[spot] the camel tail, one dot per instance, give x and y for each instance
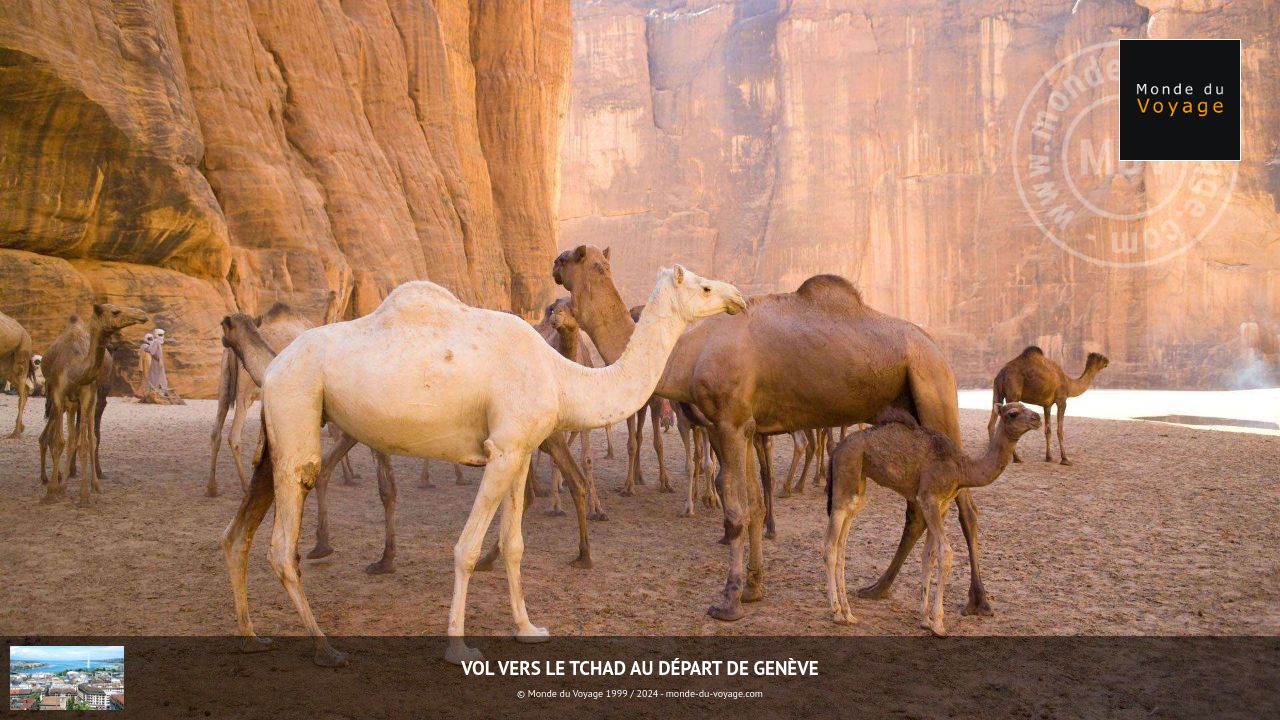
(831, 480)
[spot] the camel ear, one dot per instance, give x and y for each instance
(98, 310)
(679, 274)
(606, 253)
(579, 253)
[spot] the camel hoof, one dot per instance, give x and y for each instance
(382, 567)
(724, 540)
(598, 517)
(84, 503)
(541, 492)
(728, 613)
(938, 630)
(556, 512)
(50, 499)
(843, 617)
(688, 513)
(462, 482)
(320, 551)
(255, 644)
(211, 492)
(626, 492)
(783, 495)
(666, 489)
(752, 594)
(770, 534)
(533, 634)
(873, 592)
(582, 562)
(428, 486)
(331, 658)
(13, 436)
(1017, 459)
(1067, 462)
(981, 609)
(458, 654)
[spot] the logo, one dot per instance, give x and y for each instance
(1078, 191)
(1180, 100)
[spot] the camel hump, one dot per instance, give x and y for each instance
(892, 415)
(418, 296)
(1031, 350)
(830, 287)
(276, 310)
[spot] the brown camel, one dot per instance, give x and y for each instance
(560, 328)
(278, 326)
(925, 468)
(15, 365)
(240, 335)
(73, 368)
(424, 480)
(1034, 379)
(760, 372)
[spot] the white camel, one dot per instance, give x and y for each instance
(455, 383)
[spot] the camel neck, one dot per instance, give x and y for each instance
(97, 351)
(568, 344)
(985, 470)
(1077, 385)
(605, 318)
(254, 353)
(598, 397)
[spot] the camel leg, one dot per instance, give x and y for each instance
(911, 529)
(18, 377)
(968, 511)
(99, 409)
(458, 478)
(235, 548)
(73, 440)
(424, 479)
(387, 492)
(556, 510)
(512, 541)
(810, 449)
(336, 455)
(1062, 413)
(348, 473)
(243, 401)
(227, 393)
(501, 477)
(937, 563)
(635, 431)
(926, 581)
(848, 496)
(655, 422)
(608, 442)
(764, 455)
(709, 465)
(1048, 438)
(588, 467)
(796, 443)
(733, 444)
(291, 491)
(690, 469)
(84, 439)
(54, 427)
(46, 437)
(557, 447)
(820, 455)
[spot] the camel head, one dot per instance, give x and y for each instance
(1096, 360)
(579, 268)
(235, 327)
(697, 297)
(1017, 419)
(560, 315)
(115, 317)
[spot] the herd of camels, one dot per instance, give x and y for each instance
(448, 390)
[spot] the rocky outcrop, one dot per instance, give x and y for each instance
(765, 141)
(192, 157)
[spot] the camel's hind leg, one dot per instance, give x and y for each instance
(424, 478)
(18, 376)
(501, 478)
(386, 491)
(912, 527)
(764, 456)
(1062, 414)
(337, 454)
(226, 396)
(53, 428)
(1048, 439)
(244, 398)
(690, 469)
(937, 566)
(235, 547)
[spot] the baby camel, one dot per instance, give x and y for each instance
(448, 389)
(927, 469)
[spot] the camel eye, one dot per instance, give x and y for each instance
(706, 289)
(115, 312)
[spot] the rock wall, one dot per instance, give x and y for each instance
(193, 157)
(763, 141)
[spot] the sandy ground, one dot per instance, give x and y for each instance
(1157, 529)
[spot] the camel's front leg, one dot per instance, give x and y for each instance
(424, 478)
(634, 430)
(84, 440)
(690, 469)
(386, 491)
(655, 422)
(512, 540)
(968, 511)
(847, 500)
(733, 444)
(562, 456)
(1048, 439)
(19, 380)
(1062, 414)
(291, 489)
(937, 564)
(215, 436)
(501, 475)
(338, 453)
(764, 455)
(53, 428)
(810, 448)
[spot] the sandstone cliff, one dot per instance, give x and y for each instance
(764, 141)
(192, 157)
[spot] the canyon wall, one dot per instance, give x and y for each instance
(764, 141)
(195, 157)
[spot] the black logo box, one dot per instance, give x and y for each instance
(1185, 65)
